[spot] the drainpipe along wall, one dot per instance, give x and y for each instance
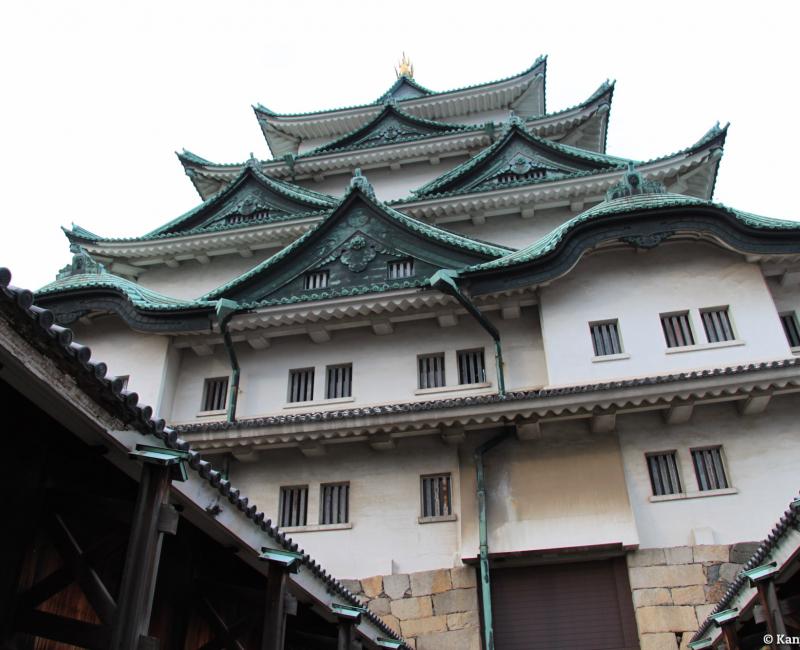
(225, 310)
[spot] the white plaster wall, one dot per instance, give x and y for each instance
(193, 279)
(140, 356)
(760, 453)
(384, 504)
(384, 367)
(635, 287)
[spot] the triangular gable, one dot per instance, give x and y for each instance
(517, 157)
(404, 88)
(390, 126)
(252, 198)
(354, 248)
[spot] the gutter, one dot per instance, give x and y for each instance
(225, 310)
(444, 281)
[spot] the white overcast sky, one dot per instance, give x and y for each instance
(97, 96)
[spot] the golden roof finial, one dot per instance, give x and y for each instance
(405, 68)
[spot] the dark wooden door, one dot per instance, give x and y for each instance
(577, 606)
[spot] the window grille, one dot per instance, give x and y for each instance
(709, 469)
(717, 324)
(294, 506)
(436, 496)
(301, 385)
(339, 381)
(431, 370)
(791, 328)
(401, 269)
(663, 469)
(335, 503)
(471, 369)
(605, 338)
(215, 394)
(316, 280)
(677, 329)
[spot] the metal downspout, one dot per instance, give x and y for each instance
(483, 536)
(444, 280)
(225, 310)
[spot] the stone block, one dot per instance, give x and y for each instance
(685, 641)
(426, 583)
(463, 619)
(408, 608)
(742, 552)
(428, 625)
(464, 577)
(702, 612)
(457, 600)
(694, 595)
(651, 597)
(679, 555)
(372, 587)
(666, 619)
(647, 557)
(729, 571)
(395, 586)
(380, 606)
(712, 573)
(674, 575)
(411, 643)
(392, 622)
(661, 641)
(715, 592)
(466, 639)
(711, 553)
(352, 585)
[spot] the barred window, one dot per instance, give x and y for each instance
(339, 381)
(301, 385)
(791, 329)
(717, 324)
(605, 338)
(709, 469)
(471, 369)
(400, 269)
(663, 468)
(677, 329)
(294, 506)
(436, 496)
(334, 503)
(431, 370)
(215, 394)
(316, 280)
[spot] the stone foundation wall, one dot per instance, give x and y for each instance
(432, 610)
(675, 589)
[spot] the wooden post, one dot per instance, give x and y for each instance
(729, 634)
(768, 599)
(141, 562)
(345, 635)
(275, 614)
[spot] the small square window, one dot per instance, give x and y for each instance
(709, 469)
(717, 324)
(605, 338)
(677, 329)
(334, 503)
(293, 506)
(400, 269)
(663, 468)
(316, 280)
(471, 369)
(430, 369)
(301, 385)
(436, 496)
(339, 381)
(215, 394)
(791, 328)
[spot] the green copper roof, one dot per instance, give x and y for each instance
(406, 84)
(188, 156)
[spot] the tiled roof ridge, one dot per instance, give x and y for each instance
(540, 61)
(399, 82)
(789, 519)
(75, 359)
(494, 398)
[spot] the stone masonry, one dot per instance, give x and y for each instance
(432, 610)
(674, 589)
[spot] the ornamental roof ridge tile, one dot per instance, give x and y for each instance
(790, 519)
(540, 61)
(38, 326)
(493, 398)
(625, 205)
